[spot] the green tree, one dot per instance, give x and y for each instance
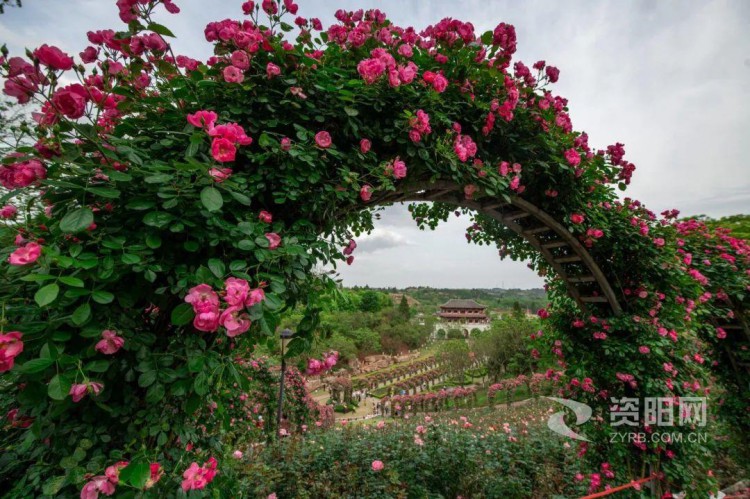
(455, 355)
(370, 301)
(403, 308)
(504, 348)
(739, 224)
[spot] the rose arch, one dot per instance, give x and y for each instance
(164, 211)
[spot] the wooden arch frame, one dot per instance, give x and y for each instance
(584, 279)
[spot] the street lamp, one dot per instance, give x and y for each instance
(286, 336)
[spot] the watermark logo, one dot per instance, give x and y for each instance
(556, 422)
(657, 413)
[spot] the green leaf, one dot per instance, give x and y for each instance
(77, 220)
(58, 387)
(102, 297)
(246, 245)
(241, 198)
(211, 199)
(155, 393)
(46, 294)
(130, 258)
(157, 218)
(182, 314)
(52, 486)
(158, 28)
(72, 281)
(153, 241)
(36, 365)
(136, 473)
(147, 379)
(98, 366)
(81, 314)
(217, 267)
(201, 384)
(350, 111)
(105, 192)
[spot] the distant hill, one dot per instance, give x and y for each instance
(497, 298)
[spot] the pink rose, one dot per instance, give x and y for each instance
(233, 74)
(237, 454)
(207, 321)
(88, 55)
(113, 472)
(265, 217)
(203, 298)
(71, 100)
(220, 174)
(79, 390)
(397, 168)
(552, 73)
(323, 139)
(572, 156)
(274, 240)
(8, 211)
(272, 70)
(365, 193)
(98, 484)
(11, 346)
(223, 150)
(286, 144)
(240, 59)
(110, 342)
(234, 321)
(370, 69)
(25, 254)
(577, 218)
(53, 57)
(21, 174)
(377, 465)
(254, 297)
(364, 145)
(236, 291)
(203, 119)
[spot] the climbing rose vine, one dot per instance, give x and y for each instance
(164, 210)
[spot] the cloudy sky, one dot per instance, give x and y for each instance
(669, 79)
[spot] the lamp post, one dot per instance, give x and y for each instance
(286, 336)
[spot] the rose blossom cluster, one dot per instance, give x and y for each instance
(237, 296)
(315, 366)
(11, 346)
(197, 477)
(226, 137)
(381, 62)
(420, 126)
(397, 168)
(22, 174)
(349, 250)
(105, 484)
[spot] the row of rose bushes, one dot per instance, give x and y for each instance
(535, 383)
(430, 401)
(373, 380)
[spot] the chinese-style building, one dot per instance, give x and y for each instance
(464, 315)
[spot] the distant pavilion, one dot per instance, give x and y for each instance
(464, 315)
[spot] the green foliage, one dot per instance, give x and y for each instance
(505, 347)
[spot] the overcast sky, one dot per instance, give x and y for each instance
(669, 79)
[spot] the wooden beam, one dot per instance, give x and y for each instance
(568, 259)
(594, 299)
(583, 278)
(536, 230)
(554, 244)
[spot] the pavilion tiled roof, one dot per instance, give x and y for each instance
(461, 304)
(456, 315)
